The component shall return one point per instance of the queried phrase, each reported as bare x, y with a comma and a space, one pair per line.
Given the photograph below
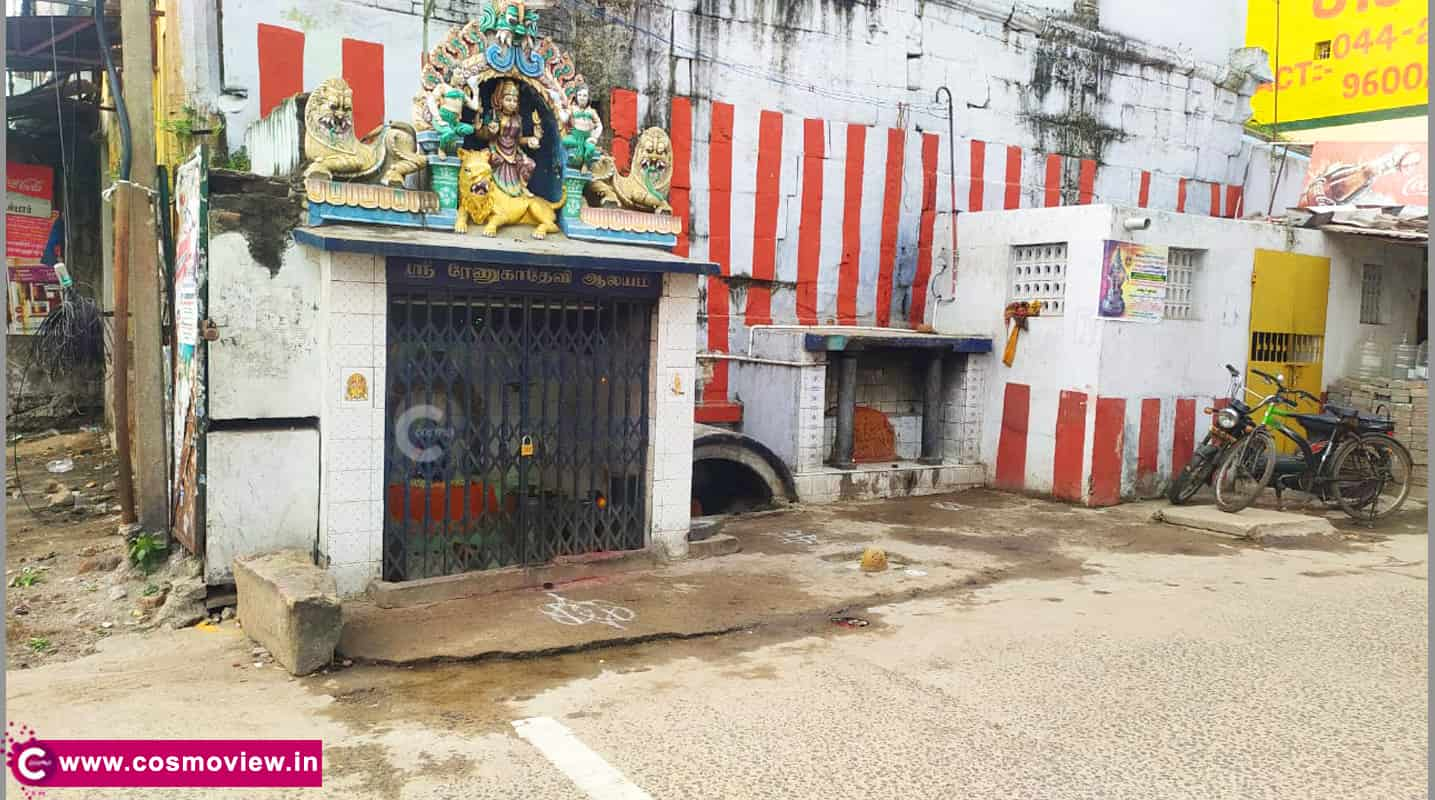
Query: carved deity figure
584, 129
388, 153
449, 123
503, 130
510, 23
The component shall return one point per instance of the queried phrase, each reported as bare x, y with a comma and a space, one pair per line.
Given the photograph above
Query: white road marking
596, 777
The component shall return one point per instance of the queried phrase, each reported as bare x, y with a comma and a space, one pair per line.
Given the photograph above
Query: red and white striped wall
1092, 449
812, 220
289, 64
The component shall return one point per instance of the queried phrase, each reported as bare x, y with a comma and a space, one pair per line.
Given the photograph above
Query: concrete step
1253, 523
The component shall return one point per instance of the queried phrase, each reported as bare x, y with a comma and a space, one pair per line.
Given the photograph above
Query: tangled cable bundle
70, 341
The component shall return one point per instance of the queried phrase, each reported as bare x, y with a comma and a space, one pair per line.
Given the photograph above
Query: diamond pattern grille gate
517, 429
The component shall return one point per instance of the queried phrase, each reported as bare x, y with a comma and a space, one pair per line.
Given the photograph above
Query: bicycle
1350, 459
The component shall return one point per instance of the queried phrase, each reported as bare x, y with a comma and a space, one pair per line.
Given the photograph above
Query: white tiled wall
964, 386
811, 409
352, 434
670, 400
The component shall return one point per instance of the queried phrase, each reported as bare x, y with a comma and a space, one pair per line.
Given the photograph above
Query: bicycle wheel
1370, 477
1245, 471
1194, 475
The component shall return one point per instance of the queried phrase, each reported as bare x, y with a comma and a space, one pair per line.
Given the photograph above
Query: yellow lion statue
480, 200
647, 185
334, 151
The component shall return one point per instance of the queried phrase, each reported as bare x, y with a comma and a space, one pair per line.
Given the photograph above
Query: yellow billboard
1340, 61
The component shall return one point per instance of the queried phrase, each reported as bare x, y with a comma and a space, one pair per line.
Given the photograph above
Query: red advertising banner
32, 289
25, 237
1367, 174
35, 180
29, 189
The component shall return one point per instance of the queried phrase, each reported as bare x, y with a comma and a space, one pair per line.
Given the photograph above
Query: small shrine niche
503, 133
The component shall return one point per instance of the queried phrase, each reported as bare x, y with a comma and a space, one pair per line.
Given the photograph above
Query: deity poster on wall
1133, 282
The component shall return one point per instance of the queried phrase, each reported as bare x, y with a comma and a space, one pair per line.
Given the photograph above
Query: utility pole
151, 490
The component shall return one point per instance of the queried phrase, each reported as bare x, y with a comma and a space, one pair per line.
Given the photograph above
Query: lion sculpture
333, 150
480, 200
647, 184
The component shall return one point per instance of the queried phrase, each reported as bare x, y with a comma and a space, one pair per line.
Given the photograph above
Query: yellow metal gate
1288, 303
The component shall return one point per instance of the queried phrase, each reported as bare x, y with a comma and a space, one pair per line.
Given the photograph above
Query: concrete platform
1255, 524
797, 567
886, 480
564, 569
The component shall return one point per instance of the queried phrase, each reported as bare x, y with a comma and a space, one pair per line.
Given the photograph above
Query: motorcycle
1229, 425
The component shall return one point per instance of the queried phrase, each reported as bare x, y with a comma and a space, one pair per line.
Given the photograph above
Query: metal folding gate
517, 428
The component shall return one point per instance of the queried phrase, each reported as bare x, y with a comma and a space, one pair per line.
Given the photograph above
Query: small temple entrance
505, 336
519, 416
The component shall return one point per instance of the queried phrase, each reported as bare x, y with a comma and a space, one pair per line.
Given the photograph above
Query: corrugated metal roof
1403, 236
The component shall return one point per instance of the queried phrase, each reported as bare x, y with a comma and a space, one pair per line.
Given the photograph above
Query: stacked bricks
1405, 401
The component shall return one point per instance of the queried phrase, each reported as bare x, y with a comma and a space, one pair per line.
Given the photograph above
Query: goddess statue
503, 129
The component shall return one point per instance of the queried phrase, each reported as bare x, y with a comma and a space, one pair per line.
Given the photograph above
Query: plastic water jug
1402, 366
1369, 361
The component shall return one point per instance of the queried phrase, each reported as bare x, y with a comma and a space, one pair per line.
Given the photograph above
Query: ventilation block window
1038, 272
1183, 270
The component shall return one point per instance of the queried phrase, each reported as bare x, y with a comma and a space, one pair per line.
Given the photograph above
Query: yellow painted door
1288, 299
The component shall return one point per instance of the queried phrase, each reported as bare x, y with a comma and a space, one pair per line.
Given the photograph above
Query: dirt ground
69, 584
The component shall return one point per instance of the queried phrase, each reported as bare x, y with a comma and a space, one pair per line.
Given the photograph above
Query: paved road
1264, 673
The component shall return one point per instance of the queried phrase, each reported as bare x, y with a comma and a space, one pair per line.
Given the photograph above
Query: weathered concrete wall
265, 363
1049, 111
261, 495
1143, 376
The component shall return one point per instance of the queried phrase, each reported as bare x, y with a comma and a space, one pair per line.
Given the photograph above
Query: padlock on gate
525, 446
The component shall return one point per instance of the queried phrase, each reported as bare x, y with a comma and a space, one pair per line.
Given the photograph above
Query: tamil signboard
1340, 61
33, 289
1367, 174
456, 276
1133, 282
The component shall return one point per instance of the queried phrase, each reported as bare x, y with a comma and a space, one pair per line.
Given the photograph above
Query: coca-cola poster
32, 289
28, 189
1367, 174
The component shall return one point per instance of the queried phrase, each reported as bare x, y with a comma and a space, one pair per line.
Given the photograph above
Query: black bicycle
1347, 458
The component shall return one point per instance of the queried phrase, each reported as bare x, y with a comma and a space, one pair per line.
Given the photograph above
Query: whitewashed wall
1167, 360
